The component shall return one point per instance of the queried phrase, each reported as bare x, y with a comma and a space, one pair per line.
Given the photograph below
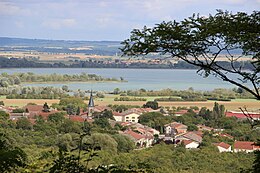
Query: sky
97, 20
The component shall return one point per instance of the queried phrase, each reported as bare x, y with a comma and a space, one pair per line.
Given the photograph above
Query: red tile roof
133, 134
177, 125
34, 108
186, 142
193, 136
240, 115
223, 145
226, 135
76, 118
245, 145
45, 115
117, 113
137, 111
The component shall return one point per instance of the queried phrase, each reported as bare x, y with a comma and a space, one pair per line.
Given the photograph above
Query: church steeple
91, 105
91, 101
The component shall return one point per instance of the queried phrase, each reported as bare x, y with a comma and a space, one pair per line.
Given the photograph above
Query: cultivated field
45, 56
251, 104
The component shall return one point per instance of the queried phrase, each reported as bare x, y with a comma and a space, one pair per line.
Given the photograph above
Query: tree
4, 115
155, 120
78, 111
57, 117
218, 111
125, 144
116, 91
151, 104
23, 123
2, 103
18, 110
106, 114
201, 41
46, 107
69, 126
102, 122
10, 157
65, 88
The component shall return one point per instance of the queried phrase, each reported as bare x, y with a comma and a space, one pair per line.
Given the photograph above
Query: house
16, 116
140, 128
189, 144
194, 136
202, 127
147, 131
118, 116
175, 128
139, 139
223, 147
245, 146
240, 115
131, 115
37, 110
76, 118
101, 108
34, 110
6, 108
225, 135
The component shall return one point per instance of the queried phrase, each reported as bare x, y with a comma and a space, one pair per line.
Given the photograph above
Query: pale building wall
133, 117
192, 145
118, 118
168, 129
221, 149
243, 150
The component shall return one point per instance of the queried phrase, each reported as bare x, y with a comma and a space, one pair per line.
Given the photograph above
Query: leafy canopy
204, 42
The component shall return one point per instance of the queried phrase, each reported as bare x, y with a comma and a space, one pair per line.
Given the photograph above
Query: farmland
235, 104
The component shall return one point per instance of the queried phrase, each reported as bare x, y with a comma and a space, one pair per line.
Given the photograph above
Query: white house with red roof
139, 139
130, 115
223, 147
175, 128
194, 136
245, 146
189, 144
117, 116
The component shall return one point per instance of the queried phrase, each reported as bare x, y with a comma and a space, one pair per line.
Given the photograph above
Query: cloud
19, 24
59, 23
11, 9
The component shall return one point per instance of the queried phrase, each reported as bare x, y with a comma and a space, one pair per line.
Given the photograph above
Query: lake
151, 79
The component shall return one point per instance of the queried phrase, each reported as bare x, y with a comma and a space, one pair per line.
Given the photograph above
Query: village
173, 133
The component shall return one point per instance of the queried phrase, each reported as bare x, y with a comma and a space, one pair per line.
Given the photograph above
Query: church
91, 105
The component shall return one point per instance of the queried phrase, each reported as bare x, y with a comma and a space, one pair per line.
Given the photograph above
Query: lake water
151, 79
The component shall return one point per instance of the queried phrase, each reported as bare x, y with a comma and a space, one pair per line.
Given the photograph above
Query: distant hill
56, 46
66, 46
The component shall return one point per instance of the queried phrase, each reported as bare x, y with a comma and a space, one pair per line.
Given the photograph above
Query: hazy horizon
101, 20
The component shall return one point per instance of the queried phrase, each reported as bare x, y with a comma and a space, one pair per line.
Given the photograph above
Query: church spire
91, 101
91, 105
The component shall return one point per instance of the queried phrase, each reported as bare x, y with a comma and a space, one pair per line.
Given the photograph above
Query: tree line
27, 63
18, 78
